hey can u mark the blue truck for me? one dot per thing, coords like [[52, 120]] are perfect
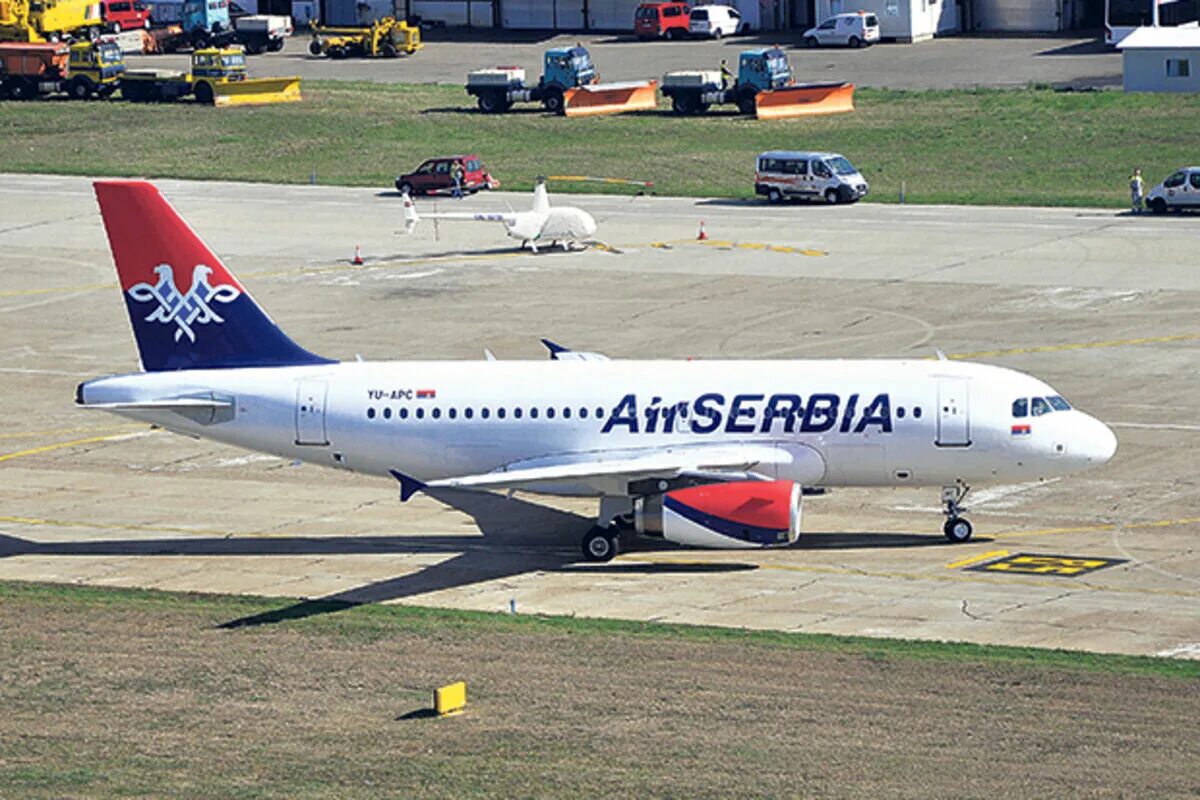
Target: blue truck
[[563, 68]]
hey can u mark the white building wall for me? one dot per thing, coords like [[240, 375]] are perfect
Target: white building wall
[[901, 20], [1146, 70]]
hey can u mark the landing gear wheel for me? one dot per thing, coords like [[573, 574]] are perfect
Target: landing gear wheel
[[600, 545], [957, 530]]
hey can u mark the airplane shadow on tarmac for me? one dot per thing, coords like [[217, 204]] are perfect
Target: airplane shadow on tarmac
[[517, 537]]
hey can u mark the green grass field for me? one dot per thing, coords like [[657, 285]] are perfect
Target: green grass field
[[1034, 146], [118, 693]]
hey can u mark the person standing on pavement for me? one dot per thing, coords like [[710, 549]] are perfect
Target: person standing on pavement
[[1137, 188], [726, 75], [457, 173]]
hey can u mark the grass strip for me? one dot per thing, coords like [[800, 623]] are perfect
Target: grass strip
[[988, 146], [374, 622]]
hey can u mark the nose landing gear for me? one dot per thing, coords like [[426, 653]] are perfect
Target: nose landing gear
[[957, 529]]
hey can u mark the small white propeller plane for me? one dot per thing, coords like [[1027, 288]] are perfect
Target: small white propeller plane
[[543, 224], [700, 453]]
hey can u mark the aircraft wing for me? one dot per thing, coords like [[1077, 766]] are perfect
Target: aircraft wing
[[611, 472]]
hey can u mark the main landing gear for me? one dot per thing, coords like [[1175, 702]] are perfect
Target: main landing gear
[[603, 541], [956, 529]]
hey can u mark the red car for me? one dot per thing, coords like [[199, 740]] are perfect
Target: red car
[[124, 15], [437, 175], [662, 20]]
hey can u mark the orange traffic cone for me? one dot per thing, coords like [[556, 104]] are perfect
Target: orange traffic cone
[[358, 259], [703, 235]]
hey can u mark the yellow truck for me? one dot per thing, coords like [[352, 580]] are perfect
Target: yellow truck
[[386, 38], [217, 78], [82, 70], [49, 20]]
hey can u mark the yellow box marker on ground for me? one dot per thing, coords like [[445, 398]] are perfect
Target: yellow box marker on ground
[[976, 559], [450, 699]]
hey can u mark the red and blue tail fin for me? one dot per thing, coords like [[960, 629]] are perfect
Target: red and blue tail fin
[[187, 310]]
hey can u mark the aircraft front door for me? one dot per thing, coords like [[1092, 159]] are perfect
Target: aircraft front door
[[310, 412], [953, 417]]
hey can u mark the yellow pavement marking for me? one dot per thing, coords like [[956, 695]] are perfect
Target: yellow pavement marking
[[1101, 527], [60, 445], [1055, 348], [108, 526], [974, 577], [976, 559], [86, 287], [59, 431]]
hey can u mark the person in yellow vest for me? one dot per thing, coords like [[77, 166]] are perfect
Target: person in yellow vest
[[726, 75], [1137, 188]]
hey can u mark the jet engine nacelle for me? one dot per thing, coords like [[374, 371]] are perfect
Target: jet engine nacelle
[[729, 515]]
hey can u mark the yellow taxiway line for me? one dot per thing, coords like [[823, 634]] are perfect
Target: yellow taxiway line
[[62, 445]]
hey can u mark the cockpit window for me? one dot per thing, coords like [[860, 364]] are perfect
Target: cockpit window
[[1021, 407], [1040, 406], [1058, 404]]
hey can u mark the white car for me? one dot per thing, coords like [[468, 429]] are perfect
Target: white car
[[1180, 190], [852, 30], [786, 174], [715, 21]]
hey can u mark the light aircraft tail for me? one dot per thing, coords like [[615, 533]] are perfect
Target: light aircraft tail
[[186, 309], [410, 215], [541, 198]]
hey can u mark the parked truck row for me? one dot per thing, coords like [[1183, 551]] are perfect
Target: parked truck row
[[569, 85], [85, 70]]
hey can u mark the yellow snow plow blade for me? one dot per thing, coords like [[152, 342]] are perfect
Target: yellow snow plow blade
[[805, 99], [611, 98], [257, 91]]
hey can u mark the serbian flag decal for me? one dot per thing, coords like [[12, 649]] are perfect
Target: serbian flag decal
[[1021, 430], [426, 394]]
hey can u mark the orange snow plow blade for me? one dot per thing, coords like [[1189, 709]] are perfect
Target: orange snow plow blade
[[611, 98], [806, 99]]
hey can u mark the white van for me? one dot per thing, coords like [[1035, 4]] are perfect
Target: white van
[[852, 30], [715, 21], [783, 174], [1180, 190]]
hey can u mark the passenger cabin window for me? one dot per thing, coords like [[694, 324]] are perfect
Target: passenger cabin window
[[1021, 407], [1040, 407], [795, 167]]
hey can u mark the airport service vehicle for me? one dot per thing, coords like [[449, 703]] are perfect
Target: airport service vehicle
[[49, 20], [385, 38], [1123, 17], [661, 20], [206, 23], [437, 175], [568, 86], [785, 174], [1179, 191], [125, 15], [715, 21], [218, 77], [702, 453], [558, 226], [764, 87], [260, 33], [858, 29], [82, 70]]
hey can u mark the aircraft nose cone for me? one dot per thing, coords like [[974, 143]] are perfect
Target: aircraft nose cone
[[589, 225], [1098, 444]]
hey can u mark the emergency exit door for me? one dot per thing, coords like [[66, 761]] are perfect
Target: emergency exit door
[[953, 412], [310, 412]]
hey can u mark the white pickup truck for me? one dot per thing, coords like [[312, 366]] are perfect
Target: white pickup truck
[[263, 32]]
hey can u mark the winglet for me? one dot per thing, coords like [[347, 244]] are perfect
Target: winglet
[[555, 349], [408, 485]]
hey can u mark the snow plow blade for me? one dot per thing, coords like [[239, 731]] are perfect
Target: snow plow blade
[[257, 92], [611, 98], [805, 99]]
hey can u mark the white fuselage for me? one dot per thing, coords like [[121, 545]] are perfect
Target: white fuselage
[[844, 423], [562, 224]]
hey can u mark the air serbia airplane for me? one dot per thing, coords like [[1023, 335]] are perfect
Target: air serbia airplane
[[541, 224], [701, 453]]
